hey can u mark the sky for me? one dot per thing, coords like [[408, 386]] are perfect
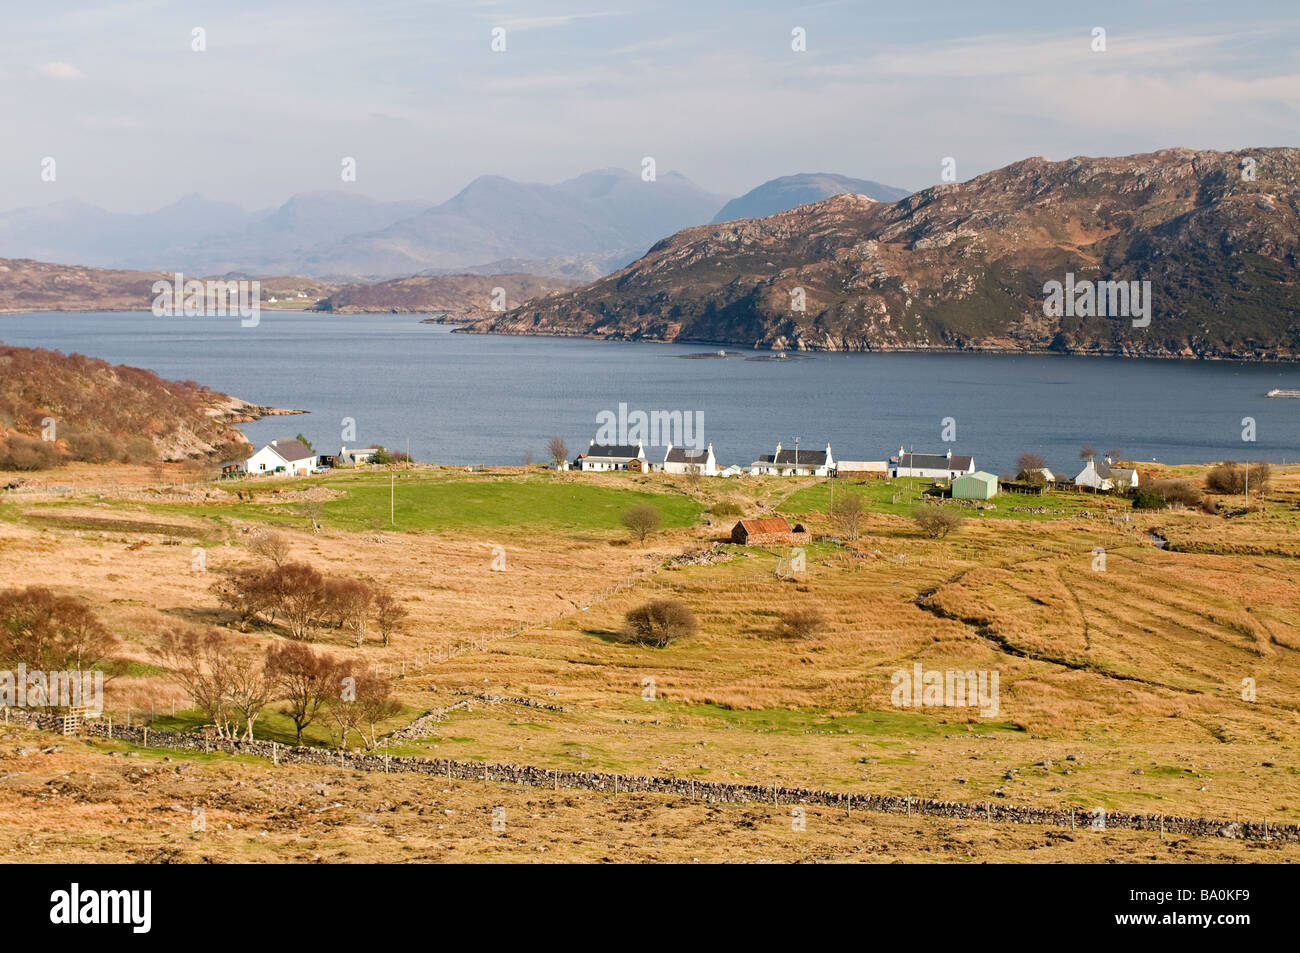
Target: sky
[[135, 117]]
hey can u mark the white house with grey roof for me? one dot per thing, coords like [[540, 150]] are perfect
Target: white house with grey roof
[[1104, 475], [689, 460], [931, 466], [796, 462], [603, 456], [356, 456], [290, 457]]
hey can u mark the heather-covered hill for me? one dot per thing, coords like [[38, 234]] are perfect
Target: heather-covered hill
[[56, 407], [964, 266]]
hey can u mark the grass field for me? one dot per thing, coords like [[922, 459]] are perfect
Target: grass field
[[1121, 683]]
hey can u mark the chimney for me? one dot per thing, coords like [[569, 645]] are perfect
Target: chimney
[[593, 441], [275, 443], [950, 453]]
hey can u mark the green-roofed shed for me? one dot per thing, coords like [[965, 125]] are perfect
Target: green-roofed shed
[[975, 486]]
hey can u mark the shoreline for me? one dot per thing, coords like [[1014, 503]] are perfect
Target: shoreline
[[467, 326]]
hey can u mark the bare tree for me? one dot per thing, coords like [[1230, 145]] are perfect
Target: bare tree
[[52, 632], [1115, 453], [342, 705], [365, 702], [1030, 466], [314, 510], [307, 679], [936, 521], [1087, 452], [375, 696], [390, 615], [201, 661], [249, 690], [557, 450], [643, 519], [350, 602], [300, 596], [848, 512], [274, 546]]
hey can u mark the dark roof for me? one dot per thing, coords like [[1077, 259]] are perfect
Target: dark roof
[[292, 450], [686, 455], [933, 461], [810, 458], [612, 450]]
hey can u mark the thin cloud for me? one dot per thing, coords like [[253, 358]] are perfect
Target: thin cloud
[[55, 70]]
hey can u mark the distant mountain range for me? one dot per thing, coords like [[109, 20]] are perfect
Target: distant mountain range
[[971, 266], [789, 191], [580, 229]]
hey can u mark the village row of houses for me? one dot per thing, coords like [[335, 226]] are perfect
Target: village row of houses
[[294, 458], [958, 469], [782, 462]]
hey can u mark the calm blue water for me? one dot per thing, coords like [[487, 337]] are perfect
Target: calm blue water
[[462, 398]]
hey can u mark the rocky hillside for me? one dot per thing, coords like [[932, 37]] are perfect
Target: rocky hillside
[[56, 407], [451, 293], [964, 266]]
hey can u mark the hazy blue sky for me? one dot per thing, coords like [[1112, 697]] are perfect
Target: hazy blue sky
[[412, 90]]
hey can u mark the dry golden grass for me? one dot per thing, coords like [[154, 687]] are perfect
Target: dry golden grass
[[79, 803], [1119, 688]]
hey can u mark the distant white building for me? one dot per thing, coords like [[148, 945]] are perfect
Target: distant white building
[[686, 460], [1103, 476], [600, 456], [290, 457], [794, 462], [356, 456], [931, 466], [731, 471]]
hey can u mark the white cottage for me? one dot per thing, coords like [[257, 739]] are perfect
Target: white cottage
[[931, 466], [290, 457], [687, 460], [794, 462], [356, 456], [601, 456], [1103, 476]]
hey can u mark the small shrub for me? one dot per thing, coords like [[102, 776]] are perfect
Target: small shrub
[[1184, 492], [1229, 478], [1149, 500], [20, 452], [936, 521], [642, 519], [726, 508], [659, 623], [801, 623]]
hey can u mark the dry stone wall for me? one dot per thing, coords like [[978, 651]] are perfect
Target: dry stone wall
[[713, 791]]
